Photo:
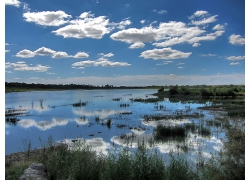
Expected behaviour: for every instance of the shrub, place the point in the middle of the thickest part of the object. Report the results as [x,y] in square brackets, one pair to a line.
[173,91]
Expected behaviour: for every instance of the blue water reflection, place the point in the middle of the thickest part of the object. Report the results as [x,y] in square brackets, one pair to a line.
[82,115]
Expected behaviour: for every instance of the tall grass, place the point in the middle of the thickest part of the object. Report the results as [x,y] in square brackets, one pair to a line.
[164,132]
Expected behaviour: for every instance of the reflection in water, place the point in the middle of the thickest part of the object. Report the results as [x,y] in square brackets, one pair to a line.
[97,144]
[43,125]
[131,140]
[81,121]
[46,110]
[104,113]
[170,122]
[193,146]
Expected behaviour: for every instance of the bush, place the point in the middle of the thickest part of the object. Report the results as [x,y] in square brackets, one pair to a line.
[161,89]
[173,91]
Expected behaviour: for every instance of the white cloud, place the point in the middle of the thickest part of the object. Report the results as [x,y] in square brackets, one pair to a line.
[6,44]
[121,25]
[26,7]
[236,40]
[106,55]
[21,66]
[81,55]
[7,51]
[207,37]
[25,54]
[137,45]
[234,63]
[104,63]
[133,35]
[233,58]
[207,55]
[198,14]
[87,26]
[172,32]
[60,54]
[196,44]
[43,51]
[47,18]
[165,53]
[50,73]
[205,20]
[160,11]
[142,21]
[218,27]
[13,2]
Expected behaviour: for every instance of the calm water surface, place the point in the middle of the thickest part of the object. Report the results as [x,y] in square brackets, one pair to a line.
[55,114]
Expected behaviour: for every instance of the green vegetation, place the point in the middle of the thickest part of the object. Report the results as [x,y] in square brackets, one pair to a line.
[148,100]
[165,132]
[220,91]
[79,104]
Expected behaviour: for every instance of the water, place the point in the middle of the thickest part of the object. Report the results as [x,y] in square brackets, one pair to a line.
[45,114]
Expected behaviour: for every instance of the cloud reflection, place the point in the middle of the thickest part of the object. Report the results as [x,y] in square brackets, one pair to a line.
[170,122]
[96,144]
[97,113]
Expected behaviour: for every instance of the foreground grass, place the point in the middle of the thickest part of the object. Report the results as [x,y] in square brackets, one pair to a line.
[81,162]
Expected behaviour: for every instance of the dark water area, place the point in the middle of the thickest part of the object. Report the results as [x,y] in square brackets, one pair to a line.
[106,120]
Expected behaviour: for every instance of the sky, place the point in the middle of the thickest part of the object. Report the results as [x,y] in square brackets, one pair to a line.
[125,42]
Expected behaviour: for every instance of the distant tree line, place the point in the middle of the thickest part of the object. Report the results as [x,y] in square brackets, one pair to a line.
[21,85]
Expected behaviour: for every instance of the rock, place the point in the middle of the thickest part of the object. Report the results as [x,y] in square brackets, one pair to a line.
[34,172]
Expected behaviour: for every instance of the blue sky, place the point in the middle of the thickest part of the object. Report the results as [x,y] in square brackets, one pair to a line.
[120,42]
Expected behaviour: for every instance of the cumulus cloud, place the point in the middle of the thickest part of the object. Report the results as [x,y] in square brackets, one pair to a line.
[203,18]
[121,25]
[198,14]
[236,40]
[21,66]
[233,58]
[47,18]
[218,27]
[25,54]
[86,26]
[167,34]
[133,35]
[234,63]
[81,55]
[60,54]
[196,44]
[165,53]
[102,61]
[137,45]
[106,55]
[13,2]
[43,51]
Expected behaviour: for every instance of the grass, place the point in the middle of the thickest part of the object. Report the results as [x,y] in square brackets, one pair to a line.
[82,162]
[165,132]
[79,104]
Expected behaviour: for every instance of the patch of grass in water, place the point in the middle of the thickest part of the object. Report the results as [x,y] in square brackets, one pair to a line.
[165,132]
